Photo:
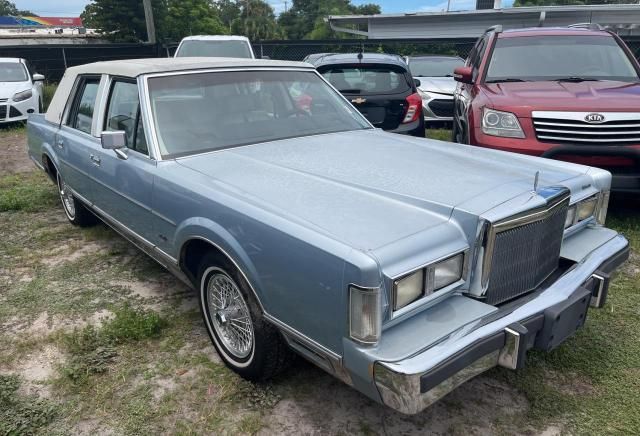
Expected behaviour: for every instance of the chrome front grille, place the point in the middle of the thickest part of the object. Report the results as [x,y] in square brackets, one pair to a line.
[523,252]
[572,128]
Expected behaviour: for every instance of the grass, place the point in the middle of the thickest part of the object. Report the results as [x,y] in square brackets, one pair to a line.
[29,193]
[47,93]
[439,134]
[22,414]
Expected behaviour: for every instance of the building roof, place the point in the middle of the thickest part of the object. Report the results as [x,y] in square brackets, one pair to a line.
[471,24]
[137,67]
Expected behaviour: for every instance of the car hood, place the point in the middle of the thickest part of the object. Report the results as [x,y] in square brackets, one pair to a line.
[441,85]
[370,188]
[8,89]
[602,96]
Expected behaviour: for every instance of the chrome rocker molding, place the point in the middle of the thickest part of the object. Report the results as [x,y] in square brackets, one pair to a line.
[305,346]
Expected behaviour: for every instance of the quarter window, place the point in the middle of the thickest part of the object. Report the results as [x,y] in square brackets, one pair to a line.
[82,113]
[123,114]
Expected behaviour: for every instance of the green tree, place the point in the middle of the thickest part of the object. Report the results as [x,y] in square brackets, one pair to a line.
[305,19]
[122,20]
[257,21]
[191,17]
[8,8]
[228,10]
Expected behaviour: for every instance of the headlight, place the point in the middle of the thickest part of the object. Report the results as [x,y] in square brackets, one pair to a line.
[365,314]
[498,123]
[427,280]
[24,95]
[594,206]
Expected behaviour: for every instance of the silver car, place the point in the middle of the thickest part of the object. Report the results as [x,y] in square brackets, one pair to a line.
[436,85]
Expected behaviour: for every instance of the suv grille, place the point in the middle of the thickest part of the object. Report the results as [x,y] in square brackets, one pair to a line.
[616,129]
[524,256]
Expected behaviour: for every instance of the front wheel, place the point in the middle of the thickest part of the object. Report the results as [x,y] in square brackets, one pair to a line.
[76,212]
[245,341]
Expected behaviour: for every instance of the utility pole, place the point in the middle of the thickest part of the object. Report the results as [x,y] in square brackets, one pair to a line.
[148,16]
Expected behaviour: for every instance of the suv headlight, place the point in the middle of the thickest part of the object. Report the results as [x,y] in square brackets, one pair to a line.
[427,280]
[498,123]
[23,95]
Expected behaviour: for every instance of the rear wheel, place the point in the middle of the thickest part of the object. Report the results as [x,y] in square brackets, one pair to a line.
[76,212]
[245,341]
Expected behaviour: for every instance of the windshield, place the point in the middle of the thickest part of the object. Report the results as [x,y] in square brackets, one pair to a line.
[366,79]
[12,72]
[201,112]
[216,49]
[560,57]
[434,67]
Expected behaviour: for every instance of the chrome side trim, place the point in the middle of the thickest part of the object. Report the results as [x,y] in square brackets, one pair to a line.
[302,338]
[508,357]
[163,218]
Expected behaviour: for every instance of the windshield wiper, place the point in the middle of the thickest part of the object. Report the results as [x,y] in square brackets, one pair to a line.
[350,91]
[507,79]
[577,79]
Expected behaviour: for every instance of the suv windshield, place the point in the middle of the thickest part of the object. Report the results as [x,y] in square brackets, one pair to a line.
[12,72]
[560,57]
[434,67]
[366,79]
[200,112]
[213,48]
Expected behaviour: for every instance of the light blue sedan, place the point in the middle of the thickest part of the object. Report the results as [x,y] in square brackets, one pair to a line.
[403,266]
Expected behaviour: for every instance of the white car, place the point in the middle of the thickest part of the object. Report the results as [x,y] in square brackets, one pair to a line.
[20,90]
[217,46]
[436,85]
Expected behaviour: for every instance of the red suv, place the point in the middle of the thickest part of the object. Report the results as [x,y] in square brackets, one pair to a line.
[565,93]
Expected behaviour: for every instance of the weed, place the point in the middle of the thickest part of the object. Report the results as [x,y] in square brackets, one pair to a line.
[22,415]
[439,134]
[132,324]
[47,93]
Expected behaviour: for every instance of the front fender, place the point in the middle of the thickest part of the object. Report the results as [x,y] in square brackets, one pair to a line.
[213,233]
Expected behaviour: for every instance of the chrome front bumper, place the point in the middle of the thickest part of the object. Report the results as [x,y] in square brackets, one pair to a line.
[543,322]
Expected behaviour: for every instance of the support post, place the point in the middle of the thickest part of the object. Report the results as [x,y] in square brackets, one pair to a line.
[148,16]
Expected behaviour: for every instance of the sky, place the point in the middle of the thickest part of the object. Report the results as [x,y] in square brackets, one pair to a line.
[75,7]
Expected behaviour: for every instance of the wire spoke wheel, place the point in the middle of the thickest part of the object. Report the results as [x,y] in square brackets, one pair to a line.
[67,198]
[230,315]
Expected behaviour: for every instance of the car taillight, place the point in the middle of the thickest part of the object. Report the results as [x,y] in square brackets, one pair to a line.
[414,107]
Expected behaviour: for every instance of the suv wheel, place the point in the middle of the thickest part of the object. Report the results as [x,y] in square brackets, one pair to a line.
[245,341]
[76,212]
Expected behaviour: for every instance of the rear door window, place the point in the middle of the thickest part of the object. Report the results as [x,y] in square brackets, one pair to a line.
[367,79]
[81,116]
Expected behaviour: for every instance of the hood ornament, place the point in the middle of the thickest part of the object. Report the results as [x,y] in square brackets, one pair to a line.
[536,178]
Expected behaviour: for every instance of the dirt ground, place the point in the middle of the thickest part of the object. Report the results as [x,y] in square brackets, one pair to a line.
[62,288]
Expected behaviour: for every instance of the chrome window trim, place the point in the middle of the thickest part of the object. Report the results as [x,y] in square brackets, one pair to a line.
[148,113]
[527,217]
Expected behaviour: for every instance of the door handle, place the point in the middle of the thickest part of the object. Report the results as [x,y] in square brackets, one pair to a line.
[95,160]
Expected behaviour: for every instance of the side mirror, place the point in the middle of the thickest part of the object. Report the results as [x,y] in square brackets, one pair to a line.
[116,141]
[417,82]
[463,75]
[38,77]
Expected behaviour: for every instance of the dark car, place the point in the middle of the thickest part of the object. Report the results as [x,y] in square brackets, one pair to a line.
[379,85]
[565,93]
